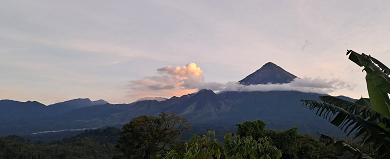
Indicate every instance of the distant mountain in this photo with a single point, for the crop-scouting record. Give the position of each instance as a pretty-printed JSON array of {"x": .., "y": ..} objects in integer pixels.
[
  {"x": 73, "y": 104},
  {"x": 204, "y": 101},
  {"x": 278, "y": 109},
  {"x": 268, "y": 73},
  {"x": 204, "y": 110},
  {"x": 99, "y": 102},
  {"x": 14, "y": 110}
]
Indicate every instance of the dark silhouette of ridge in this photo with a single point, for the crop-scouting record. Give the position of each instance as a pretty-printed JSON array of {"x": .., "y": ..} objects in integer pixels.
[
  {"x": 268, "y": 73},
  {"x": 204, "y": 101},
  {"x": 14, "y": 110}
]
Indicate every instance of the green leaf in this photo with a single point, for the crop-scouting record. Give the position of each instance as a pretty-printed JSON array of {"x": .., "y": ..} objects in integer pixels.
[
  {"x": 355, "y": 58},
  {"x": 338, "y": 120},
  {"x": 379, "y": 100},
  {"x": 262, "y": 157}
]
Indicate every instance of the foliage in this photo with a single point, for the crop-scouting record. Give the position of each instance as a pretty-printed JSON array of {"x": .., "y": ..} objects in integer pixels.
[
  {"x": 146, "y": 135},
  {"x": 366, "y": 118},
  {"x": 288, "y": 141},
  {"x": 251, "y": 128},
  {"x": 307, "y": 147},
  {"x": 354, "y": 118},
  {"x": 377, "y": 79},
  {"x": 344, "y": 148},
  {"x": 207, "y": 147},
  {"x": 285, "y": 140}
]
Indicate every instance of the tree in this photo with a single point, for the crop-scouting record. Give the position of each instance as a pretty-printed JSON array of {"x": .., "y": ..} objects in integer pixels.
[
  {"x": 251, "y": 128},
  {"x": 285, "y": 140},
  {"x": 366, "y": 118},
  {"x": 146, "y": 135}
]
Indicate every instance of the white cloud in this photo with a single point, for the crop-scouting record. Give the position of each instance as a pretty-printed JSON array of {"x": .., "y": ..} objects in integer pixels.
[
  {"x": 170, "y": 81},
  {"x": 303, "y": 85}
]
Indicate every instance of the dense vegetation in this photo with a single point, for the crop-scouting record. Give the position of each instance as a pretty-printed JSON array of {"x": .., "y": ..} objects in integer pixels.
[
  {"x": 289, "y": 141},
  {"x": 145, "y": 136},
  {"x": 102, "y": 143},
  {"x": 90, "y": 144},
  {"x": 232, "y": 148}
]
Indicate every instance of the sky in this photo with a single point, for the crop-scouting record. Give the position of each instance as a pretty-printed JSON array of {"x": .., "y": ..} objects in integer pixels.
[{"x": 120, "y": 51}]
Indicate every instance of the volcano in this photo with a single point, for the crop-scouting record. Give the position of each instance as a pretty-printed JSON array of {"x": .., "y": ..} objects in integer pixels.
[{"x": 269, "y": 73}]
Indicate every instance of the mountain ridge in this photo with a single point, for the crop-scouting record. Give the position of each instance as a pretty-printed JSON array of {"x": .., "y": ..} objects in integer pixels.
[
  {"x": 16, "y": 110},
  {"x": 204, "y": 101}
]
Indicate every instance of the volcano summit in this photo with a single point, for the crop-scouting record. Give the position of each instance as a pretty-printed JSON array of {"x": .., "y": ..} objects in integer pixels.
[{"x": 268, "y": 73}]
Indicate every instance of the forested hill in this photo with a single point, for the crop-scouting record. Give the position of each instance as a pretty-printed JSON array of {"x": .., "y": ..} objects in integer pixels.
[{"x": 98, "y": 143}]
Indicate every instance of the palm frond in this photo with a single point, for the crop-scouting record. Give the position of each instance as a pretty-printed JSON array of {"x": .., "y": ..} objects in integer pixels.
[
  {"x": 361, "y": 108},
  {"x": 348, "y": 151},
  {"x": 351, "y": 123}
]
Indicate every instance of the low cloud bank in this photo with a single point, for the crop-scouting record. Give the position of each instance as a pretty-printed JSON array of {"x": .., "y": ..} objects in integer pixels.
[
  {"x": 177, "y": 81},
  {"x": 316, "y": 85}
]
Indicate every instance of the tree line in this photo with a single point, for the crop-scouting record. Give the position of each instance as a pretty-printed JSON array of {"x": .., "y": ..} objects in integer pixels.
[{"x": 158, "y": 137}]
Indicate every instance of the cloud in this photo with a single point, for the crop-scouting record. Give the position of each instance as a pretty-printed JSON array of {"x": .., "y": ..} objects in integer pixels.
[
  {"x": 213, "y": 86},
  {"x": 315, "y": 85},
  {"x": 188, "y": 79},
  {"x": 318, "y": 83},
  {"x": 160, "y": 87},
  {"x": 184, "y": 71},
  {"x": 170, "y": 81}
]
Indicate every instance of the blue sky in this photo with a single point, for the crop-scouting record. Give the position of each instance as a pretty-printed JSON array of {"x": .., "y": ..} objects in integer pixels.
[{"x": 53, "y": 51}]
